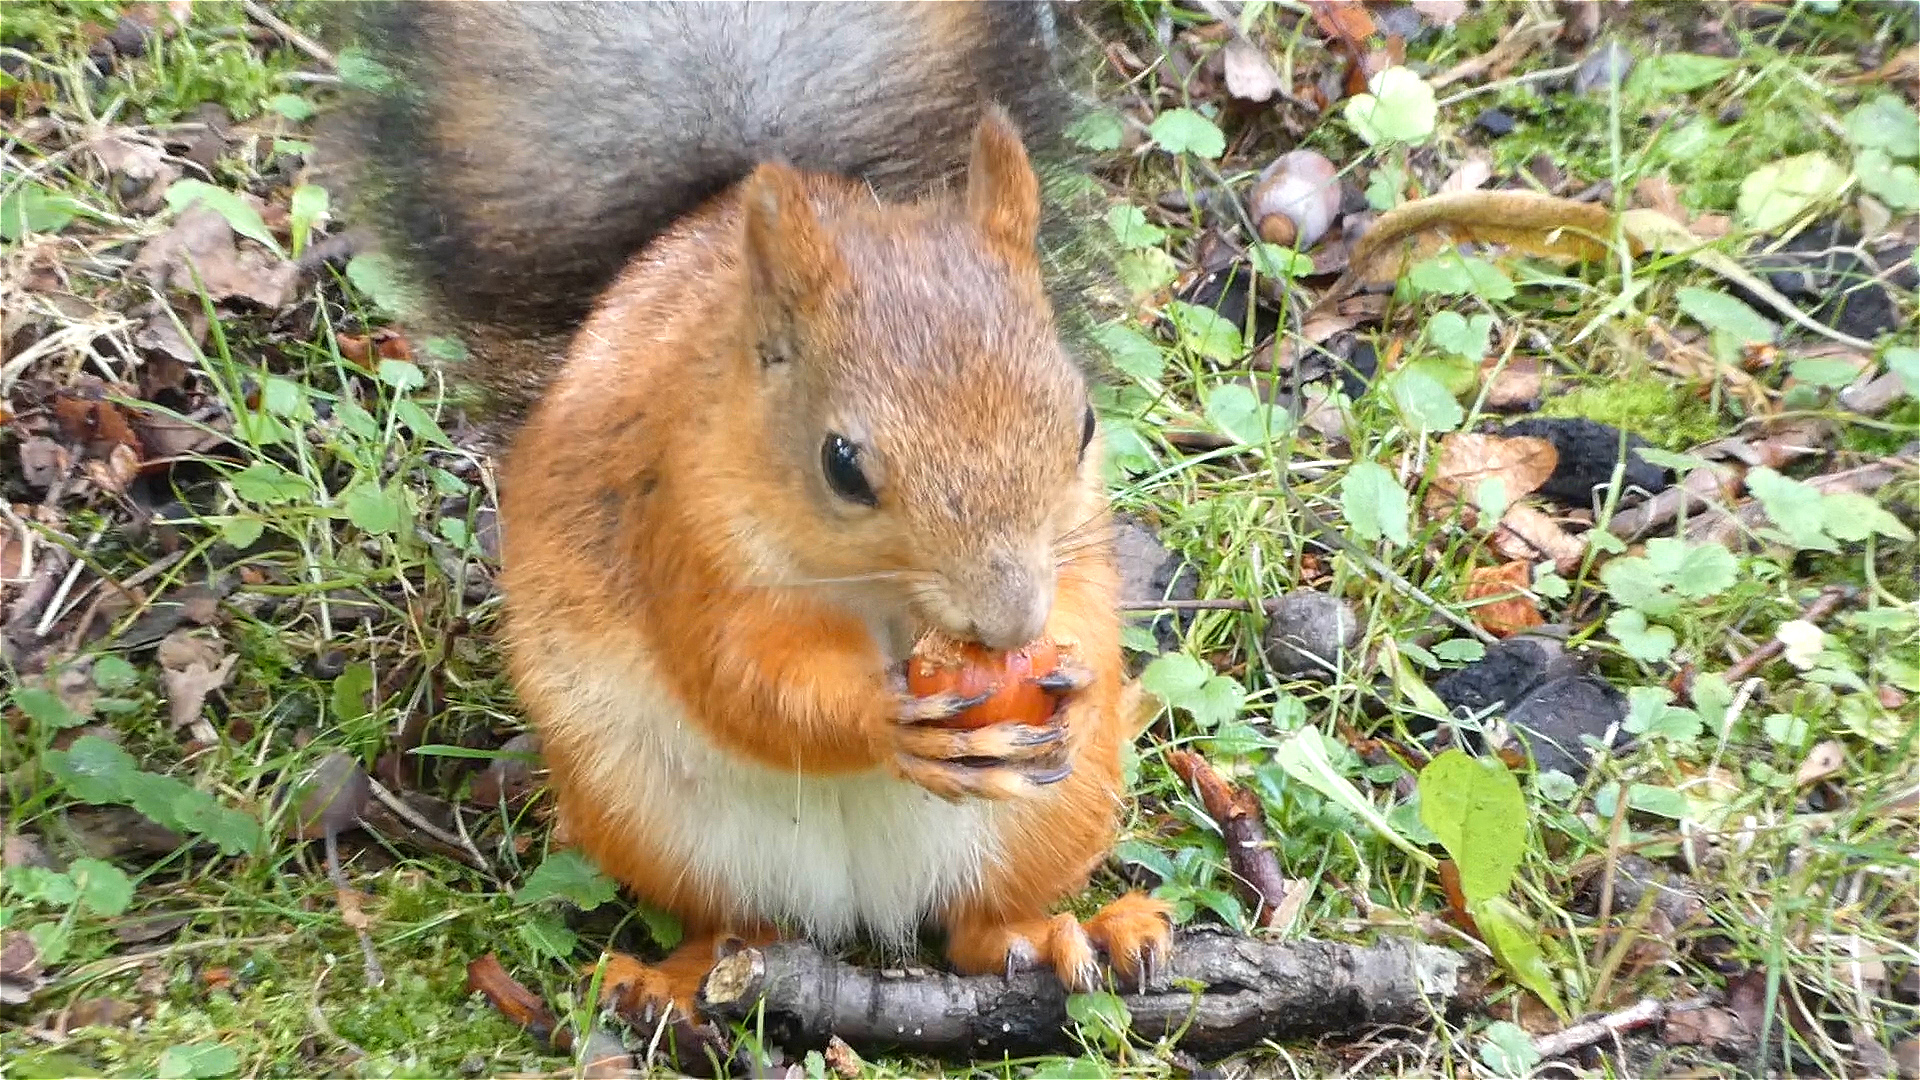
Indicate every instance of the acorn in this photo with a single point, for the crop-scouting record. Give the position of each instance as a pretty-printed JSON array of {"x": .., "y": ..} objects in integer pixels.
[
  {"x": 1296, "y": 199},
  {"x": 967, "y": 669}
]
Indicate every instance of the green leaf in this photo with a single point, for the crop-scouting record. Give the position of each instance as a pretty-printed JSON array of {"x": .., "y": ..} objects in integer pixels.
[
  {"x": 30, "y": 208},
  {"x": 291, "y": 106},
  {"x": 419, "y": 421},
  {"x": 1516, "y": 945},
  {"x": 1508, "y": 1049},
  {"x": 1476, "y": 809},
  {"x": 1904, "y": 361},
  {"x": 1374, "y": 503},
  {"x": 1176, "y": 678},
  {"x": 1460, "y": 650},
  {"x": 446, "y": 349},
  {"x": 1696, "y": 571},
  {"x": 282, "y": 397},
  {"x": 1828, "y": 374},
  {"x": 1084, "y": 1067},
  {"x": 548, "y": 937},
  {"x": 1275, "y": 262},
  {"x": 46, "y": 708},
  {"x": 1648, "y": 644},
  {"x": 101, "y": 886},
  {"x": 266, "y": 483},
  {"x": 375, "y": 509},
  {"x": 569, "y": 876},
  {"x": 1717, "y": 310},
  {"x": 402, "y": 375},
  {"x": 1647, "y": 798},
  {"x": 1886, "y": 123},
  {"x": 92, "y": 770},
  {"x": 378, "y": 277},
  {"x": 1633, "y": 582},
  {"x": 1131, "y": 228},
  {"x": 1307, "y": 756},
  {"x": 51, "y": 940},
  {"x": 1205, "y": 332},
  {"x": 1776, "y": 193},
  {"x": 1424, "y": 400},
  {"x": 1852, "y": 517},
  {"x": 112, "y": 672},
  {"x": 1183, "y": 131},
  {"x": 1131, "y": 352},
  {"x": 1896, "y": 185},
  {"x": 1146, "y": 271},
  {"x": 1098, "y": 131},
  {"x": 197, "y": 1061},
  {"x": 1796, "y": 509},
  {"x": 1103, "y": 1015},
  {"x": 39, "y": 885},
  {"x": 1672, "y": 74},
  {"x": 1452, "y": 274},
  {"x": 239, "y": 214},
  {"x": 1786, "y": 729},
  {"x": 241, "y": 530},
  {"x": 663, "y": 926},
  {"x": 1650, "y": 712},
  {"x": 1218, "y": 701},
  {"x": 305, "y": 208},
  {"x": 1399, "y": 108},
  {"x": 1461, "y": 336},
  {"x": 350, "y": 689},
  {"x": 1237, "y": 411}
]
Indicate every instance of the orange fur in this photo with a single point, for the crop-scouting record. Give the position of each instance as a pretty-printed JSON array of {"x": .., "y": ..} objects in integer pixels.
[{"x": 683, "y": 587}]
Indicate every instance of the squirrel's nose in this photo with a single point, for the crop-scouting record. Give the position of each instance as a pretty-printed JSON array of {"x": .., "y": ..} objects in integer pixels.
[{"x": 1012, "y": 610}]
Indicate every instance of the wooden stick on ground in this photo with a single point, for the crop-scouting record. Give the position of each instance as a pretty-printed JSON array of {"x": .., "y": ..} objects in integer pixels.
[
  {"x": 1225, "y": 993},
  {"x": 1244, "y": 825}
]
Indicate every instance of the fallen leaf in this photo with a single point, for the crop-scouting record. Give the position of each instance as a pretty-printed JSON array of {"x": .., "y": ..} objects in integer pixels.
[
  {"x": 1442, "y": 13},
  {"x": 842, "y": 1060},
  {"x": 98, "y": 424},
  {"x": 1471, "y": 173},
  {"x": 1516, "y": 610},
  {"x": 1468, "y": 461},
  {"x": 1824, "y": 760},
  {"x": 1711, "y": 1026},
  {"x": 1659, "y": 193},
  {"x": 167, "y": 438},
  {"x": 1529, "y": 534},
  {"x": 352, "y": 912},
  {"x": 1249, "y": 76},
  {"x": 191, "y": 667},
  {"x": 19, "y": 967},
  {"x": 202, "y": 243},
  {"x": 1803, "y": 642},
  {"x": 1514, "y": 386},
  {"x": 42, "y": 461},
  {"x": 1344, "y": 21},
  {"x": 117, "y": 471}
]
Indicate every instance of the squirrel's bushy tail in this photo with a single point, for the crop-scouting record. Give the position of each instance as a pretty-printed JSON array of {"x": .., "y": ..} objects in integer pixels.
[{"x": 514, "y": 156}]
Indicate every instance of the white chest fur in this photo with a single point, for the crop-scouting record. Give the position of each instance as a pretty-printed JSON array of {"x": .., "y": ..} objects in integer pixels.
[{"x": 831, "y": 855}]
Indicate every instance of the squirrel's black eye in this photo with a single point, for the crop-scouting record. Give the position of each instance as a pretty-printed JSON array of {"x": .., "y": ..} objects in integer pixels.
[
  {"x": 1086, "y": 431},
  {"x": 840, "y": 460}
]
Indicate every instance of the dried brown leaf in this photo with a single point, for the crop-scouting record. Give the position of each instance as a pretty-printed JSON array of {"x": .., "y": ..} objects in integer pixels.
[
  {"x": 1442, "y": 13},
  {"x": 1529, "y": 534},
  {"x": 191, "y": 667},
  {"x": 42, "y": 461},
  {"x": 1515, "y": 611},
  {"x": 1249, "y": 75},
  {"x": 1514, "y": 386},
  {"x": 202, "y": 242},
  {"x": 1824, "y": 760},
  {"x": 1468, "y": 460}
]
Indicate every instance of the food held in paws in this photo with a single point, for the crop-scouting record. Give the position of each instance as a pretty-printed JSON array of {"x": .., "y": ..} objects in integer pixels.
[{"x": 967, "y": 669}]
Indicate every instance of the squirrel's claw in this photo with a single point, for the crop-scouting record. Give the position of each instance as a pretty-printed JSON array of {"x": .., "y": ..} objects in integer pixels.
[
  {"x": 1065, "y": 679},
  {"x": 955, "y": 780},
  {"x": 999, "y": 742},
  {"x": 920, "y": 710}
]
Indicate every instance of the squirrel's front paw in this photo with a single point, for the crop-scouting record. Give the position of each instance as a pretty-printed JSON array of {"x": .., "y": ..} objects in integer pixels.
[{"x": 998, "y": 761}]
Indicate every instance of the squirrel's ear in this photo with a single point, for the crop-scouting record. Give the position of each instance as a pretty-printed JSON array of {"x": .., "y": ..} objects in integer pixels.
[
  {"x": 788, "y": 258},
  {"x": 1003, "y": 195}
]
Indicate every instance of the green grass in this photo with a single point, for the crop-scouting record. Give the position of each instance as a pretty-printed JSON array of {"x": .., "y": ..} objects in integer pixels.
[{"x": 348, "y": 516}]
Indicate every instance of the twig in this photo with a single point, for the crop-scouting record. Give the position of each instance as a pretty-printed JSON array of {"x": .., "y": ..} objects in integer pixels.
[
  {"x": 464, "y": 848},
  {"x": 1820, "y": 610},
  {"x": 314, "y": 50},
  {"x": 102, "y": 969},
  {"x": 1243, "y": 823},
  {"x": 1191, "y": 605},
  {"x": 350, "y": 914},
  {"x": 1640, "y": 1014},
  {"x": 1219, "y": 994},
  {"x": 52, "y": 613}
]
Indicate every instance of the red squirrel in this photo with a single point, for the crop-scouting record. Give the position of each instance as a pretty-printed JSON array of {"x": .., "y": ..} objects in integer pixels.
[{"x": 823, "y": 409}]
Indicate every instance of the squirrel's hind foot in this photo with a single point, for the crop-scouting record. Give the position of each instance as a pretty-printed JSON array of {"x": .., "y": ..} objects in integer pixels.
[
  {"x": 642, "y": 994},
  {"x": 1135, "y": 932}
]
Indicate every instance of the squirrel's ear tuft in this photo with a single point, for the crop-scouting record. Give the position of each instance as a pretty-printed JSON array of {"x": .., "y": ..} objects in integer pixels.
[
  {"x": 788, "y": 258},
  {"x": 1003, "y": 195}
]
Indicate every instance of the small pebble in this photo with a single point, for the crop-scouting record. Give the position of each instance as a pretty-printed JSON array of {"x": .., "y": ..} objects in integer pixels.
[
  {"x": 1307, "y": 631},
  {"x": 1495, "y": 122}
]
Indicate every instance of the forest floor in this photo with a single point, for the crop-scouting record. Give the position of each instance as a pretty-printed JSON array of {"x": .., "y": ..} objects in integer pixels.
[{"x": 1646, "y": 722}]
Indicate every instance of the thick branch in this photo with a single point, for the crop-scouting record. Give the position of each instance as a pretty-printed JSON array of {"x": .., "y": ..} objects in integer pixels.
[{"x": 1227, "y": 992}]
